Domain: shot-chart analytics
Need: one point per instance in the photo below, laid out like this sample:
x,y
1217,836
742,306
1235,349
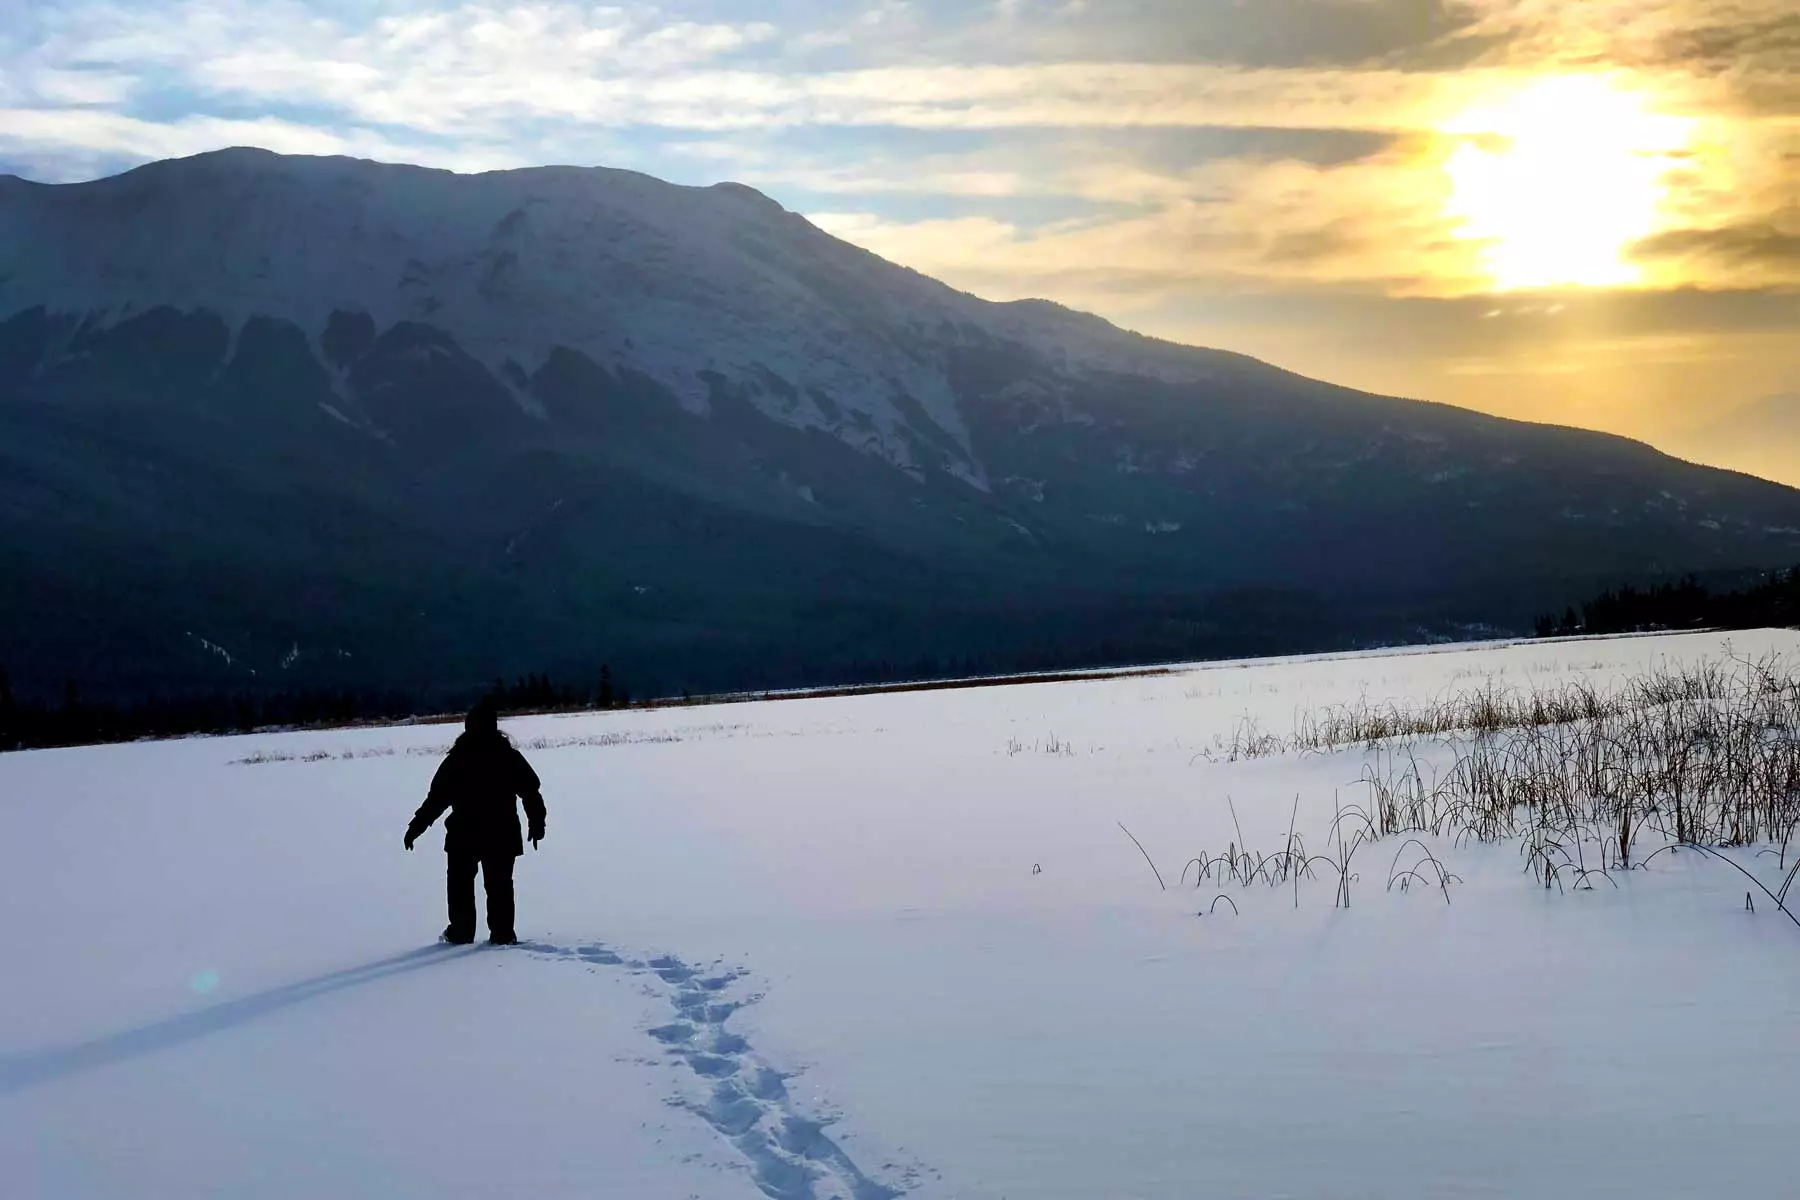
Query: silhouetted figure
x,y
478,782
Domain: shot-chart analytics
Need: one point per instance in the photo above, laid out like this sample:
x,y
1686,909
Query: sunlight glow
x,y
1558,178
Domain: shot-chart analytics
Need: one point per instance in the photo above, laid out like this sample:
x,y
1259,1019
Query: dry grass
x,y
595,740
1053,745
1588,780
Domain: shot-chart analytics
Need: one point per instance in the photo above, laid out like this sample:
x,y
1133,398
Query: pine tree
x,y
9,733
606,698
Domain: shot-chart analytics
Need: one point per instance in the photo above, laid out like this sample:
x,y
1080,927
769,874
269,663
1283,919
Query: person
x,y
478,782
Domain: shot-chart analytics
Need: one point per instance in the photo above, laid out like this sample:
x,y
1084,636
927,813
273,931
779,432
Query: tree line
x,y
74,720
1684,604
30,721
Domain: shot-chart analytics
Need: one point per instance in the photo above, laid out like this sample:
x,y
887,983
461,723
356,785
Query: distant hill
x,y
271,421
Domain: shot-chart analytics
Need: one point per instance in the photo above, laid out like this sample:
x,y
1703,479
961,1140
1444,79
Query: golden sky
x,y
1586,213
1582,211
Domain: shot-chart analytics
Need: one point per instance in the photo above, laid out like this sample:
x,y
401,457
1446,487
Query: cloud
x,y
69,143
1752,46
1754,252
469,69
1229,226
1766,40
485,85
1411,34
1379,224
1148,158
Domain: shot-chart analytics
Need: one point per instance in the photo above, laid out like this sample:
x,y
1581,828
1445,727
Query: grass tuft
x,y
1585,777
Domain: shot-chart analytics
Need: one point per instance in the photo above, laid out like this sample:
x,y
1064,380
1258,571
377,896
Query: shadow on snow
x,y
19,1072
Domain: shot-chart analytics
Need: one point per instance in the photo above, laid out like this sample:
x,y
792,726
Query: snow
x,y
631,271
903,934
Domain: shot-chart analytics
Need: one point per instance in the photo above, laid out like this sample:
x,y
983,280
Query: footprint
x,y
671,970
778,1177
731,1112
767,1084
712,1066
790,1155
804,1138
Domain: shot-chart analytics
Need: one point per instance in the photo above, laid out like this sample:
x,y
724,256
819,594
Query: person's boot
x,y
503,939
455,936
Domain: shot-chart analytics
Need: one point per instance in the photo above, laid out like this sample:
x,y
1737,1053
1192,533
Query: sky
x,y
1579,211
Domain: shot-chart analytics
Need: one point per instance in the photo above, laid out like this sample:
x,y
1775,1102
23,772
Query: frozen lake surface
x,y
863,946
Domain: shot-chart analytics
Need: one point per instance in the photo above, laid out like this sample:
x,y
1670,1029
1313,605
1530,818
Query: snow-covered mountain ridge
x,y
669,281
430,426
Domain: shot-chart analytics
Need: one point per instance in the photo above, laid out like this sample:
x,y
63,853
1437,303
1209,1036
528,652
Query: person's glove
x,y
411,837
537,835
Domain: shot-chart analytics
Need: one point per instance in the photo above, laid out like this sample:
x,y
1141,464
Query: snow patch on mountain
x,y
677,283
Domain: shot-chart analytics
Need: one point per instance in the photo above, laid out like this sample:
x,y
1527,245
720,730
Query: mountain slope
x,y
324,419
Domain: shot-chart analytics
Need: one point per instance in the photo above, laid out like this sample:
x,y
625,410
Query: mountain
x,y
273,421
1763,438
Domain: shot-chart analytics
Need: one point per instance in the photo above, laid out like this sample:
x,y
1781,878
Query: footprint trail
x,y
746,1100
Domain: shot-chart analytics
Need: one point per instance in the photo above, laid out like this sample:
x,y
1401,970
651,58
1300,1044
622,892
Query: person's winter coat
x,y
478,782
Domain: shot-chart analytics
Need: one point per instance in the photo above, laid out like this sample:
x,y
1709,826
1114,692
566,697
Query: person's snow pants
x,y
496,880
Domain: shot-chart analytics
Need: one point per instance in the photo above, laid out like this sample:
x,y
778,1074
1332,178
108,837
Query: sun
x,y
1558,178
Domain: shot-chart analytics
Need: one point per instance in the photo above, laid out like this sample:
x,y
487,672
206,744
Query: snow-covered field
x,y
859,946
